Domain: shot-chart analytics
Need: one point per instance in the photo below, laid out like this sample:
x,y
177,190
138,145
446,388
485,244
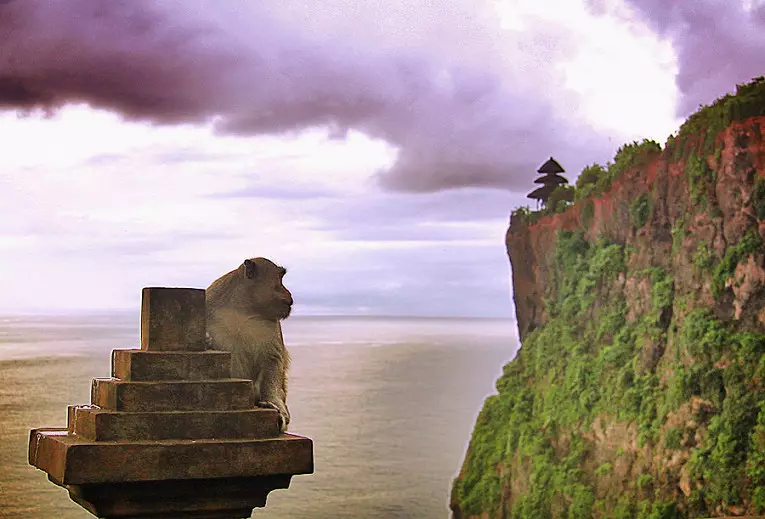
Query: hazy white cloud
x,y
91,234
718,43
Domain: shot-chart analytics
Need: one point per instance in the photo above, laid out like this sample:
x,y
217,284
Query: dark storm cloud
x,y
263,68
719,43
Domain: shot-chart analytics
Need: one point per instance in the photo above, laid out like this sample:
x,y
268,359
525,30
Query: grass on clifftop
x,y
698,133
695,141
589,361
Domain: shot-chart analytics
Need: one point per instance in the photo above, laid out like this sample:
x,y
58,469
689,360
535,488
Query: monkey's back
x,y
250,339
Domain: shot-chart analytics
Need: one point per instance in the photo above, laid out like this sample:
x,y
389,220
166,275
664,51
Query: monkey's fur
x,y
244,308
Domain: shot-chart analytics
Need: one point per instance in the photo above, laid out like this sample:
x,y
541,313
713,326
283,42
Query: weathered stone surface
x,y
95,424
224,498
171,435
179,395
173,319
141,365
70,413
71,460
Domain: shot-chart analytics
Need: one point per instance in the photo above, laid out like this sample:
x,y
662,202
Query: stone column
x,y
171,434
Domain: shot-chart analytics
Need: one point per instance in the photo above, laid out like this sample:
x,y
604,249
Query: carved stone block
x,y
173,319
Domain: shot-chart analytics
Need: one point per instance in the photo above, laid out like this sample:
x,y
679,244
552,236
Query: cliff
x,y
639,390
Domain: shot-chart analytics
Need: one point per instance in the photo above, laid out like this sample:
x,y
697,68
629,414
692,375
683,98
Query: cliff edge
x,y
639,390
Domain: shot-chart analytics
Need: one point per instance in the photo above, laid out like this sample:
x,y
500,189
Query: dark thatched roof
x,y
551,166
551,178
542,193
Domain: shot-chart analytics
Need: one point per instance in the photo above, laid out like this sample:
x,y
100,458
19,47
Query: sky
x,y
375,149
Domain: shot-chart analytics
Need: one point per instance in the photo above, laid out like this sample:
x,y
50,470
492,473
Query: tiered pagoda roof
x,y
550,179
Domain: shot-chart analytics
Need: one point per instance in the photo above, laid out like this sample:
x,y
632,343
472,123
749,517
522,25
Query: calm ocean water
x,y
388,402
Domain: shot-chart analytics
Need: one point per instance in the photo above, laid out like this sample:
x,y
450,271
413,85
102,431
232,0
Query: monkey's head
x,y
261,281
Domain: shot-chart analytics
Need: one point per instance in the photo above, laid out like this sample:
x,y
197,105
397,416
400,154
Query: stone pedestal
x,y
171,434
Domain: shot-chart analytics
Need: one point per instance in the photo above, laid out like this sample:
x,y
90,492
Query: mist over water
x,y
388,402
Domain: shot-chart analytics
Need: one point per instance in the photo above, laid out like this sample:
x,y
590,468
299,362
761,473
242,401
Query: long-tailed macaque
x,y
244,308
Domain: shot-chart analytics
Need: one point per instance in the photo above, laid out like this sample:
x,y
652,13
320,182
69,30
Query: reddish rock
x,y
531,246
690,230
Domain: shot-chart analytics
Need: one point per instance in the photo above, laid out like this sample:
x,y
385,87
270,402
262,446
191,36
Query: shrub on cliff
x,y
624,378
640,211
591,181
758,197
734,254
755,467
632,155
589,361
560,199
698,133
595,179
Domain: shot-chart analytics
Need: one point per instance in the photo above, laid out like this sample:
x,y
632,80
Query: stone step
x,y
142,365
179,395
72,460
96,424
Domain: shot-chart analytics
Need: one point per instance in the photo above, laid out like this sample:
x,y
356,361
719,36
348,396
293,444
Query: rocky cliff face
x,y
639,390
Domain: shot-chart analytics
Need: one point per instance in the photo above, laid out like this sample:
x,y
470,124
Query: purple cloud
x,y
719,43
432,82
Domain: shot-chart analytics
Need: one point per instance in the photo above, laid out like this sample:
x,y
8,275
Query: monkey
x,y
244,308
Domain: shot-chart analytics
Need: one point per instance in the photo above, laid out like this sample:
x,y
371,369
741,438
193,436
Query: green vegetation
x,y
590,361
633,155
673,438
696,140
662,294
730,450
758,197
734,254
634,363
644,481
640,211
700,179
560,199
588,211
605,468
653,510
755,467
593,180
698,134
704,258
524,210
678,235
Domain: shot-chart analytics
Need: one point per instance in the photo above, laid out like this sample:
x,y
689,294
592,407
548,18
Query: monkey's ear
x,y
250,269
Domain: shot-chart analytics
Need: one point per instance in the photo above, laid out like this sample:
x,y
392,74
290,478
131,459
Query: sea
x,y
389,403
